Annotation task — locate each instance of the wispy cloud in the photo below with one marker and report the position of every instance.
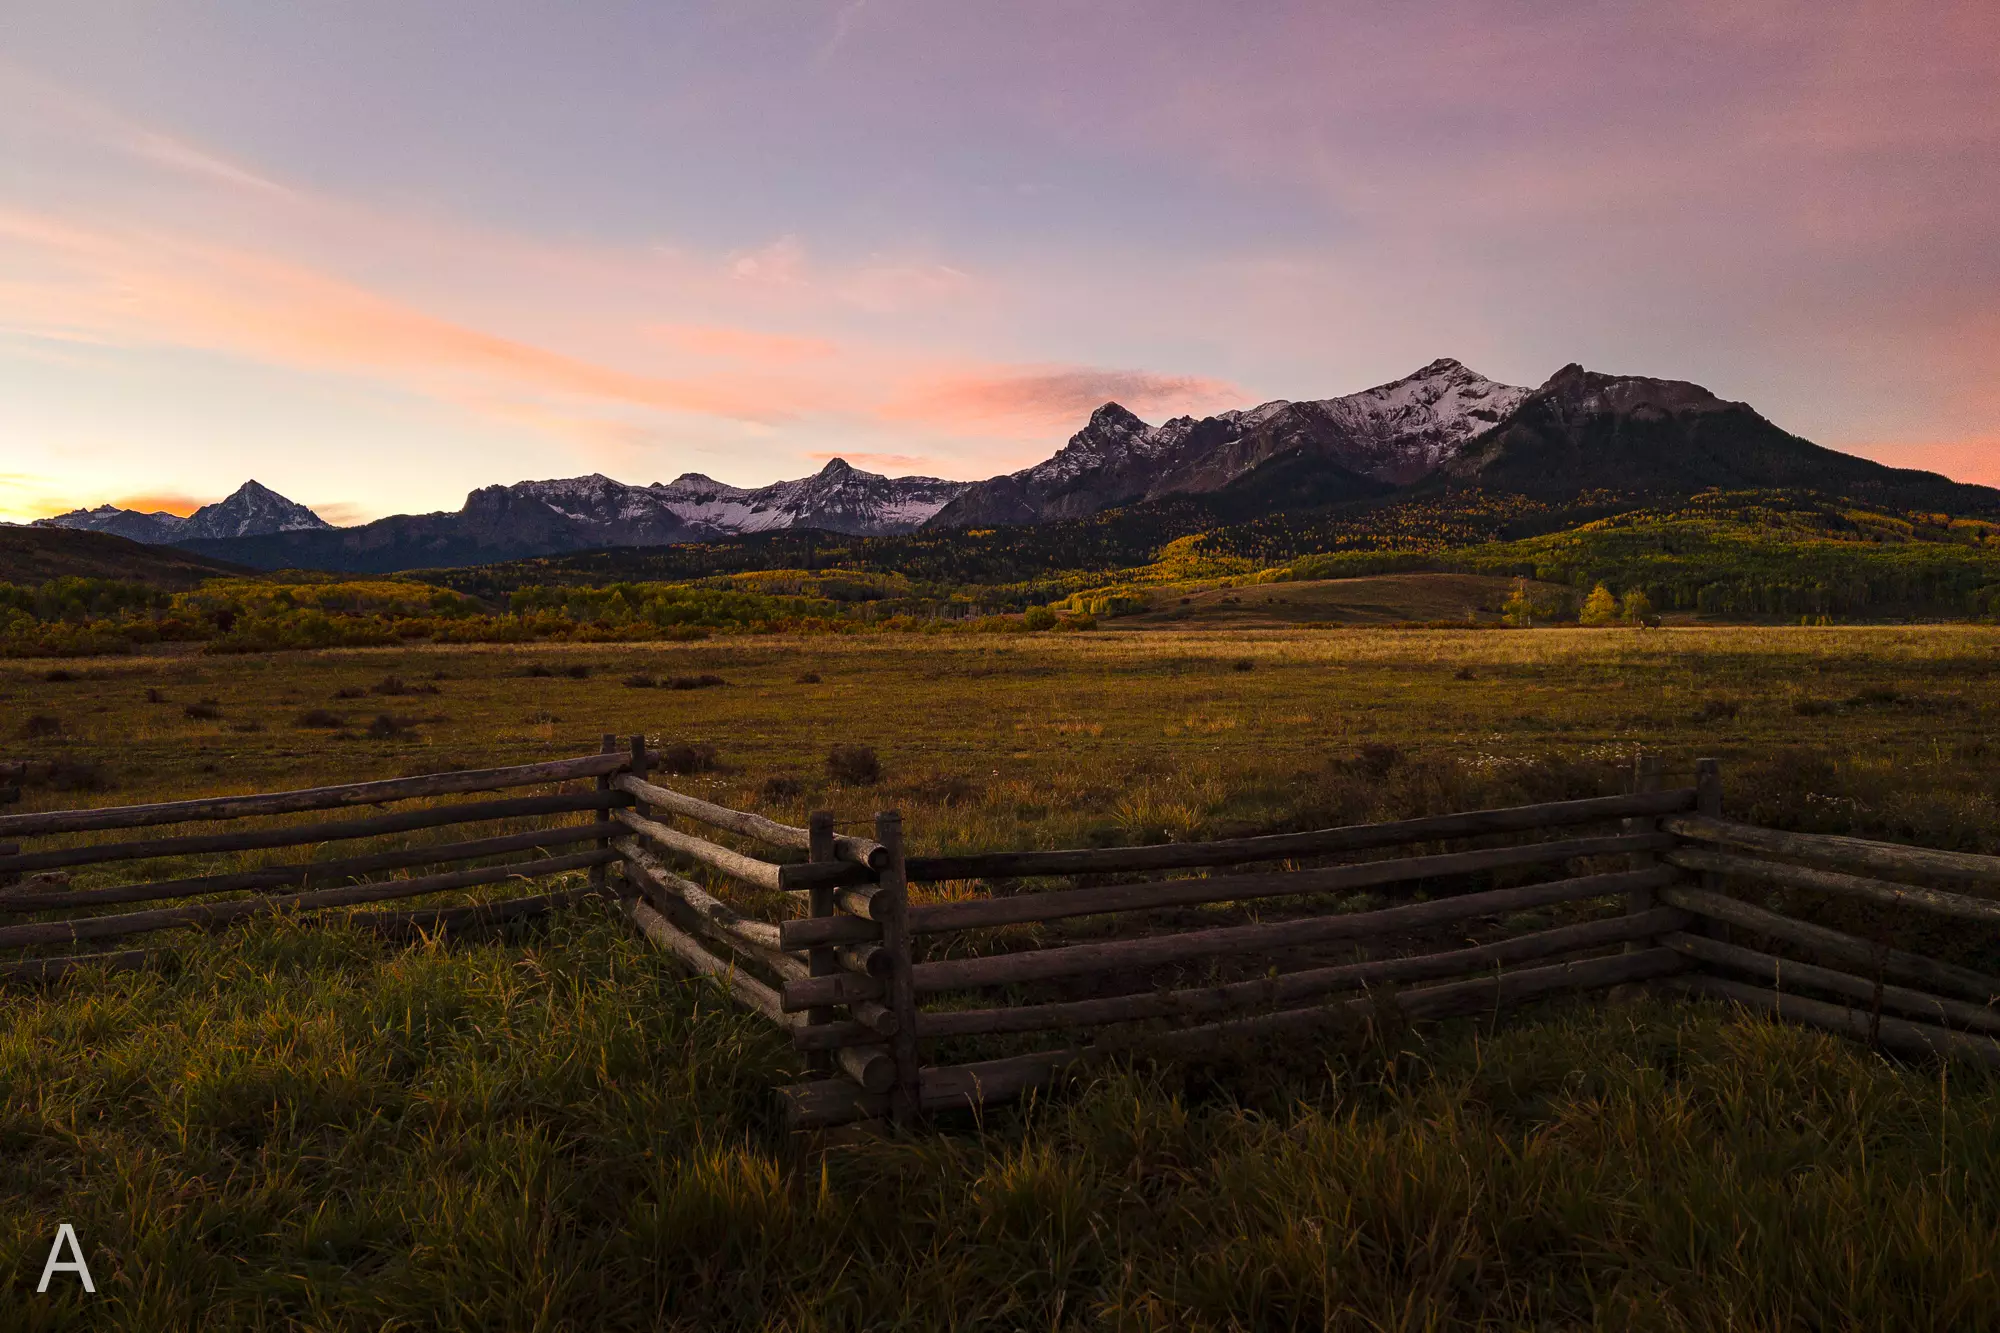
(1014, 398)
(898, 463)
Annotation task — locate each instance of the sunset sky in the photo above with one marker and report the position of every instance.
(377, 255)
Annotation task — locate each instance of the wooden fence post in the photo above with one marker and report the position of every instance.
(1648, 772)
(890, 906)
(641, 769)
(1708, 804)
(607, 744)
(820, 960)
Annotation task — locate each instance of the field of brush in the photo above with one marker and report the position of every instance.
(316, 1128)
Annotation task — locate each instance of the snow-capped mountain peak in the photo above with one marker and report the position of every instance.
(253, 510)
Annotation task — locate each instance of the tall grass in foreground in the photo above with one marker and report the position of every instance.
(307, 1129)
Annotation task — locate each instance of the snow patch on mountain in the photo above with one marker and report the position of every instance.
(254, 510)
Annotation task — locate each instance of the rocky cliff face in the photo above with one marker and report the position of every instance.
(1394, 433)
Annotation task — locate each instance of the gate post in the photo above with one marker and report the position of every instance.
(820, 960)
(607, 744)
(891, 908)
(1708, 804)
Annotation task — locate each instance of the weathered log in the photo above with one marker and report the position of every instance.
(1881, 891)
(310, 798)
(1292, 986)
(50, 969)
(872, 959)
(805, 876)
(685, 917)
(747, 990)
(1283, 846)
(1055, 905)
(25, 900)
(871, 1067)
(833, 1034)
(830, 1102)
(870, 1022)
(300, 835)
(1276, 936)
(1895, 1034)
(1455, 998)
(1785, 973)
(857, 900)
(1840, 853)
(760, 874)
(1902, 966)
(814, 932)
(218, 914)
(471, 915)
(648, 868)
(1075, 959)
(858, 851)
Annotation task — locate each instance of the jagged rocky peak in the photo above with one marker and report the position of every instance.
(252, 510)
(1394, 433)
(1592, 391)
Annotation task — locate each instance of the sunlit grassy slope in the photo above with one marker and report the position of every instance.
(313, 1129)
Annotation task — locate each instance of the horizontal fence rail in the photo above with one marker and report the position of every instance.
(1663, 892)
(52, 907)
(310, 798)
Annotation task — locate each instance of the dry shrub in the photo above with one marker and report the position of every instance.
(684, 757)
(853, 765)
(1376, 759)
(781, 787)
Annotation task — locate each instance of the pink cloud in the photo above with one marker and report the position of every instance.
(1051, 396)
(899, 463)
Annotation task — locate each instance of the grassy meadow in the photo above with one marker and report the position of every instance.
(315, 1128)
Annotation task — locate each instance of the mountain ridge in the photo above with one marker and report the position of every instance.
(1443, 426)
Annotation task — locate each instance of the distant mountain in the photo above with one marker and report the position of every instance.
(532, 518)
(1628, 439)
(254, 510)
(1391, 435)
(1585, 431)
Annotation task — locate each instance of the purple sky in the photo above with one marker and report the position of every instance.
(377, 255)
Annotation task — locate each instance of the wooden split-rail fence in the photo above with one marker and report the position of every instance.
(1466, 913)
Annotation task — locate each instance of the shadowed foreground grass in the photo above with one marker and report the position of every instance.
(315, 1129)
